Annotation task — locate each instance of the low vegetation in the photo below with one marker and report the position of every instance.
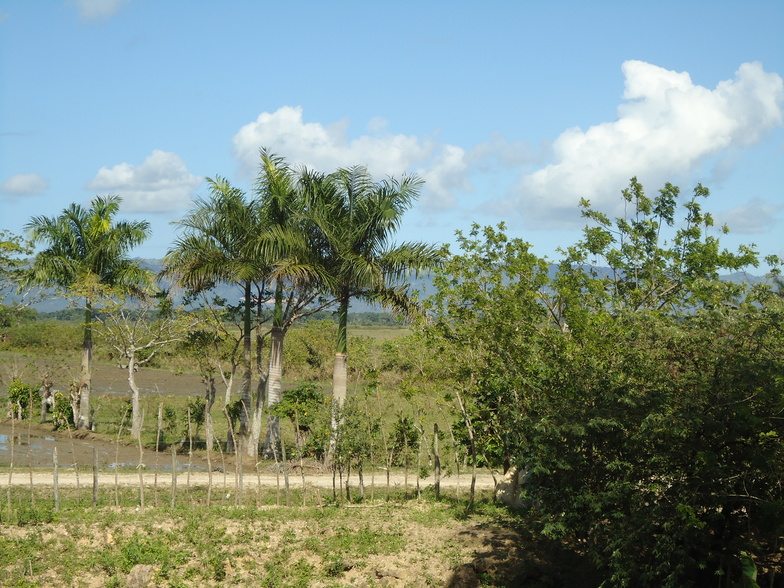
(632, 398)
(414, 543)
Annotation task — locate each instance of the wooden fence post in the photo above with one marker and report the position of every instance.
(436, 463)
(95, 477)
(55, 480)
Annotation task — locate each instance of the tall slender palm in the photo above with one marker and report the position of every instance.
(298, 268)
(277, 198)
(358, 218)
(87, 256)
(218, 244)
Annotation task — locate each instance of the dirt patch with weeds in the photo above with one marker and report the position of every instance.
(415, 544)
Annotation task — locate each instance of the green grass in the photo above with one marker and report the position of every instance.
(384, 333)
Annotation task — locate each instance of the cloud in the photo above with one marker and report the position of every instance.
(667, 127)
(754, 217)
(97, 9)
(161, 183)
(25, 185)
(328, 147)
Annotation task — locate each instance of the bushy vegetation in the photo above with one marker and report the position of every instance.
(638, 395)
(635, 396)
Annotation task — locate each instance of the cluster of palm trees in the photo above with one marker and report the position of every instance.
(305, 239)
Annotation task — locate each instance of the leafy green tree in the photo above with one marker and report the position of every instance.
(490, 310)
(357, 219)
(13, 250)
(304, 406)
(649, 258)
(640, 394)
(20, 396)
(87, 258)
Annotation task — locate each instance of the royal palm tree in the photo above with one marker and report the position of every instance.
(290, 244)
(218, 244)
(87, 257)
(358, 219)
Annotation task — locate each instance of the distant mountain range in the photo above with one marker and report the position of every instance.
(423, 284)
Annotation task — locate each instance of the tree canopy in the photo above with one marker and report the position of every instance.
(640, 396)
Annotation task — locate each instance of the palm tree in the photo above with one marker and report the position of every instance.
(298, 268)
(87, 258)
(218, 244)
(358, 219)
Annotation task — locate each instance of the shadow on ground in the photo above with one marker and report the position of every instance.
(510, 556)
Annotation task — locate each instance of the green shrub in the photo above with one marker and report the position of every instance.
(20, 395)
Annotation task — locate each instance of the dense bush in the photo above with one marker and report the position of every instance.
(640, 395)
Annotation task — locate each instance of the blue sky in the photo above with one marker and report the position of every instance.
(511, 111)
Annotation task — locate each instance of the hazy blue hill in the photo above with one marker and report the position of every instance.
(423, 284)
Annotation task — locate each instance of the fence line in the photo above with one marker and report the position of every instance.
(281, 466)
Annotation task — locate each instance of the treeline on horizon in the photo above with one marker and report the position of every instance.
(360, 319)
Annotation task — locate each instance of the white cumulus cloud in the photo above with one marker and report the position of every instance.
(25, 185)
(328, 147)
(97, 9)
(667, 127)
(160, 183)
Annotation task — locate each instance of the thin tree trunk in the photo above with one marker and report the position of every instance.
(140, 467)
(470, 428)
(405, 466)
(209, 430)
(83, 420)
(246, 367)
(436, 463)
(174, 475)
(55, 480)
(158, 435)
(11, 468)
(136, 416)
(117, 460)
(30, 448)
(285, 472)
(190, 456)
(95, 477)
(340, 370)
(300, 448)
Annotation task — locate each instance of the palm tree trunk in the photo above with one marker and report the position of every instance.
(275, 375)
(83, 421)
(340, 371)
(246, 366)
(274, 388)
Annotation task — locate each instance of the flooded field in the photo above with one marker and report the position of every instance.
(34, 446)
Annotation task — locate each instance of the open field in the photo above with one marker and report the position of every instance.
(181, 520)
(396, 543)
